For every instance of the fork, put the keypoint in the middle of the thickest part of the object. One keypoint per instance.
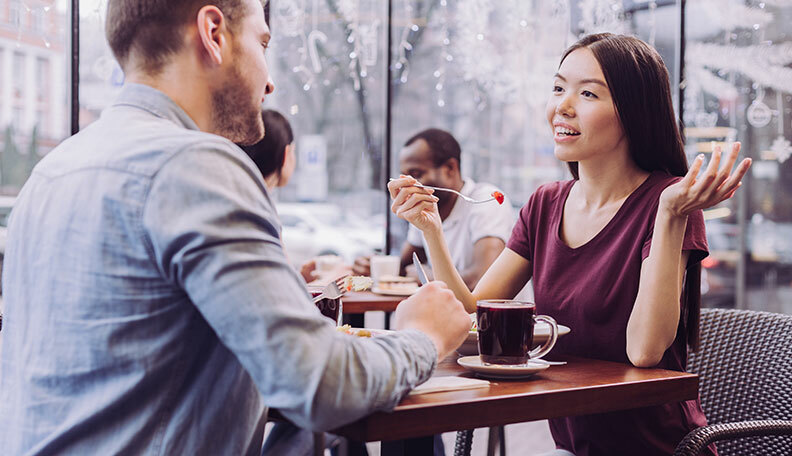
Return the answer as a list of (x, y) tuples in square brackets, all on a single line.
[(466, 198), (332, 290)]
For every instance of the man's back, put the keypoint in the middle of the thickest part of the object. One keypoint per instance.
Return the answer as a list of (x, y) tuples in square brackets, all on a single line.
[(95, 335), (150, 308)]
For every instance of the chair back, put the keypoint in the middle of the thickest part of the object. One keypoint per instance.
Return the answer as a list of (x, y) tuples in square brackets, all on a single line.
[(745, 370)]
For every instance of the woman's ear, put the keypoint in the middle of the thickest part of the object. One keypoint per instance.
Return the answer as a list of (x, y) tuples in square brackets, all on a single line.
[(289, 164)]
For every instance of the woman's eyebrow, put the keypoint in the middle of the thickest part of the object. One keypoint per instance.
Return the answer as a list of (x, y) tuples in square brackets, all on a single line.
[(584, 81)]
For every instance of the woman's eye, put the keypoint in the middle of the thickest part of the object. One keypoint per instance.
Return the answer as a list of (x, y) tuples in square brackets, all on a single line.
[(557, 89), (588, 94)]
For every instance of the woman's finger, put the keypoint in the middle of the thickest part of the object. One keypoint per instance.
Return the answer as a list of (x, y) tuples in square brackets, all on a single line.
[(417, 210), (705, 181), (690, 177), (726, 169), (402, 193), (410, 201), (733, 182), (406, 191), (397, 184)]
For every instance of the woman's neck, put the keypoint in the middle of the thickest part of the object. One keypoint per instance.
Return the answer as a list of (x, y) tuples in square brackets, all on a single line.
[(271, 181), (601, 184)]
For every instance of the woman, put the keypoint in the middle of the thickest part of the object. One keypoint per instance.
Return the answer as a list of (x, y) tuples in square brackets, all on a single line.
[(615, 252), (274, 154)]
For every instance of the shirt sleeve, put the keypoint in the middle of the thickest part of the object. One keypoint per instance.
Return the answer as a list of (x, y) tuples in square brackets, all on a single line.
[(521, 241), (213, 232), (491, 220), (695, 240)]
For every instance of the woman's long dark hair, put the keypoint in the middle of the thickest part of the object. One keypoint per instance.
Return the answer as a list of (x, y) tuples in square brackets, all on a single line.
[(638, 82), (268, 154)]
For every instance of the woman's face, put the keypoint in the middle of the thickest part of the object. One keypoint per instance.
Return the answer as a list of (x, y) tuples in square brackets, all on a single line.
[(581, 111)]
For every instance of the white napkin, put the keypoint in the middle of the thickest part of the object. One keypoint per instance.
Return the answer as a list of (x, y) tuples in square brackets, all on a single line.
[(450, 383)]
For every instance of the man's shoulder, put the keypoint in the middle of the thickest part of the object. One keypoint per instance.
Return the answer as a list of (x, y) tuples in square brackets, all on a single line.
[(143, 145)]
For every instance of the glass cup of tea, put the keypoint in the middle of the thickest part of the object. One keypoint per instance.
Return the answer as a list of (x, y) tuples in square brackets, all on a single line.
[(505, 331), (330, 308)]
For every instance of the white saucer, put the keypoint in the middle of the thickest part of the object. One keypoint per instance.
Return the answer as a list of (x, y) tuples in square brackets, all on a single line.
[(500, 371), (394, 292), (541, 334)]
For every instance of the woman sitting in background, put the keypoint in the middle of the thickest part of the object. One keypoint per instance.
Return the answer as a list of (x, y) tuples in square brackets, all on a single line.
[(274, 157), (274, 154)]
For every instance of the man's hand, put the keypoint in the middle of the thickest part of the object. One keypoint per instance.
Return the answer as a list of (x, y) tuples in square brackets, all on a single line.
[(308, 271), (362, 266), (437, 313)]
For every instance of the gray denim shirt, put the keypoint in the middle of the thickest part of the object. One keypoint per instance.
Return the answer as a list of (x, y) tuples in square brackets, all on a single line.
[(150, 309)]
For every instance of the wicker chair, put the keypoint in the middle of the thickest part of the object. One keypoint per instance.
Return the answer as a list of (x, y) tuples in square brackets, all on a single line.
[(745, 370)]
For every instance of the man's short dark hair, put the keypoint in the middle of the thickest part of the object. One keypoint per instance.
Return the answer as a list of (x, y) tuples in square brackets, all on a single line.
[(441, 143), (152, 29)]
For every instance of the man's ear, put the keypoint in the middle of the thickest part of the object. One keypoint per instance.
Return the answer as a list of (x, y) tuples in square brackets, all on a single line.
[(451, 167), (212, 32)]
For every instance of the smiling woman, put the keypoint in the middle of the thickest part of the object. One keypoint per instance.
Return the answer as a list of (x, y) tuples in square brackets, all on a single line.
[(629, 200)]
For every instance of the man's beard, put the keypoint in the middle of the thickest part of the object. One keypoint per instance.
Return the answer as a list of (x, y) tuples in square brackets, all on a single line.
[(233, 114)]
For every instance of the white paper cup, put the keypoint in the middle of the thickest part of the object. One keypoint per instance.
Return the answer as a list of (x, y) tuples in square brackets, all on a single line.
[(384, 265), (325, 263)]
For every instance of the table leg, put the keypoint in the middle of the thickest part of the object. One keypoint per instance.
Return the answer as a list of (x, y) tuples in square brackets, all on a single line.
[(388, 320), (420, 446)]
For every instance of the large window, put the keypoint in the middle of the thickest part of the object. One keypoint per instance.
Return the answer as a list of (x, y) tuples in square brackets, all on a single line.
[(480, 69), (33, 86), (738, 86)]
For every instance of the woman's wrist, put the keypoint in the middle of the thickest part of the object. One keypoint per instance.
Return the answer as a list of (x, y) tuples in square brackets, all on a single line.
[(433, 234), (667, 217), (671, 214)]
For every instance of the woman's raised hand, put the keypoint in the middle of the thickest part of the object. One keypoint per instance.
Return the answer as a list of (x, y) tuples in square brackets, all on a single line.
[(414, 204), (717, 183)]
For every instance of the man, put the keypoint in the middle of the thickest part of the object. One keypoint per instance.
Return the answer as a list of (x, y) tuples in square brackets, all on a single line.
[(149, 308), (476, 233)]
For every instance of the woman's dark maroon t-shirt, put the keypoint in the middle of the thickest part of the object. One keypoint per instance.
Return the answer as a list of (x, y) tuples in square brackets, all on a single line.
[(592, 289)]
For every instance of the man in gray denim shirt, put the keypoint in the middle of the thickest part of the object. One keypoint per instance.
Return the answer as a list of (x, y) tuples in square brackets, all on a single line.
[(149, 308)]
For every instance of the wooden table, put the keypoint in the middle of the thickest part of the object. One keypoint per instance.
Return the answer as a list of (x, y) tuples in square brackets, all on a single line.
[(358, 302), (583, 386)]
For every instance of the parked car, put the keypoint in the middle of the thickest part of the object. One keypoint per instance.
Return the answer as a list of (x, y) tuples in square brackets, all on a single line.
[(313, 229)]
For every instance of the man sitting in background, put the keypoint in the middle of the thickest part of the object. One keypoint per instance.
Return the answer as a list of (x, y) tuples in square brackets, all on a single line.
[(476, 233)]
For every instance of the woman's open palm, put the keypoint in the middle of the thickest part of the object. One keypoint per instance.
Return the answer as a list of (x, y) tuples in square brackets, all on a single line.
[(716, 184)]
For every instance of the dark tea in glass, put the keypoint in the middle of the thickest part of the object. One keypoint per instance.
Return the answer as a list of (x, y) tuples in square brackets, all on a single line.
[(505, 331), (330, 308)]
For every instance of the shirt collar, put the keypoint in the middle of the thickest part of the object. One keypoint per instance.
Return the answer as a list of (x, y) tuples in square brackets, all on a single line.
[(156, 102)]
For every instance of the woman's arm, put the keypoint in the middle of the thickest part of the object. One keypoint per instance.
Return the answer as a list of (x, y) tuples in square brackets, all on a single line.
[(503, 280), (653, 322), (419, 207)]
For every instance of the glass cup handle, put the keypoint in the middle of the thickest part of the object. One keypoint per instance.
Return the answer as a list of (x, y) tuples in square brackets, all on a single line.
[(544, 349)]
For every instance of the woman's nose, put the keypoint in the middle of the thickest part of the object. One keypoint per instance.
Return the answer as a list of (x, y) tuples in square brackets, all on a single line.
[(565, 108), (270, 87)]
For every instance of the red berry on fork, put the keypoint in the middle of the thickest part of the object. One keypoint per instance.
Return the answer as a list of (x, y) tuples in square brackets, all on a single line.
[(498, 196)]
